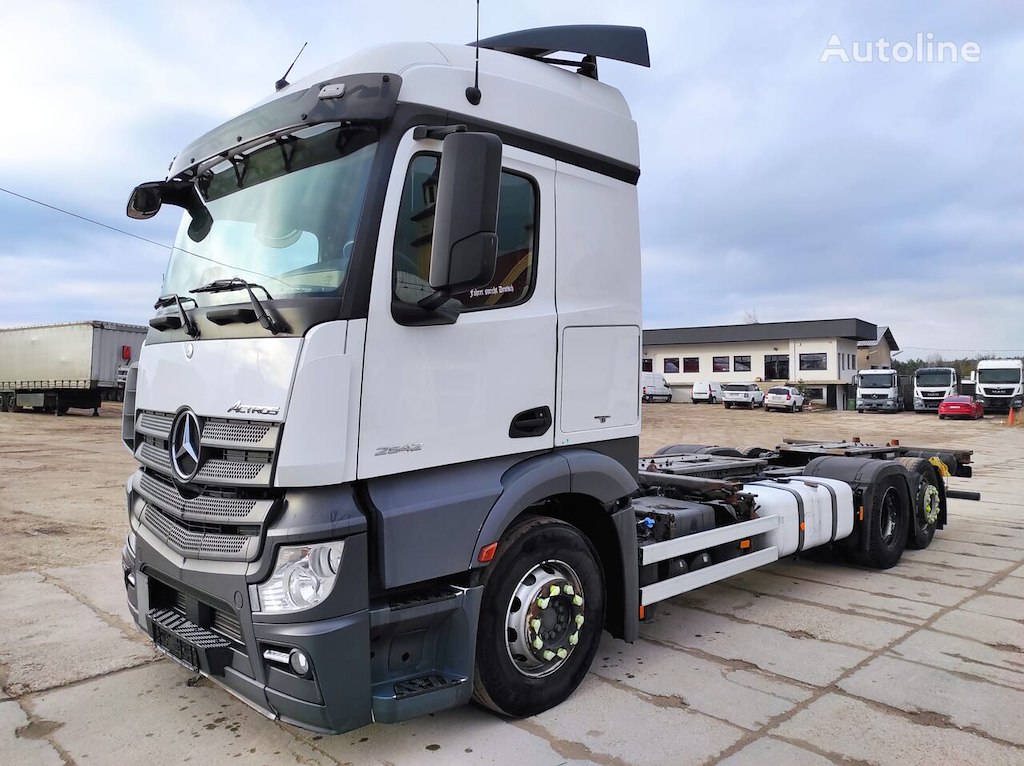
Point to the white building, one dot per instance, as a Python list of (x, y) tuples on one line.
[(818, 356)]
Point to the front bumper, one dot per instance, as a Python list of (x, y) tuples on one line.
[(878, 405), (203, 620)]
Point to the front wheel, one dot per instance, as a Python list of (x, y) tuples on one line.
[(541, 618)]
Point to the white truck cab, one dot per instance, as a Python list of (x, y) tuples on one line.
[(932, 385), (1000, 384), (878, 390)]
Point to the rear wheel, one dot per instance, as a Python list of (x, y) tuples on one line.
[(541, 618), (887, 526), (926, 501), (728, 405)]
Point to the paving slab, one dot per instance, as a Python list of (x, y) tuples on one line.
[(804, 620), (847, 729), (800, 658), (101, 586), (774, 751), (150, 715), (466, 735), (998, 606), (49, 638), (888, 582), (741, 696), (607, 723), (963, 656), (993, 631), (23, 743), (980, 550), (917, 567), (981, 707), (841, 600), (1000, 536), (1009, 586)]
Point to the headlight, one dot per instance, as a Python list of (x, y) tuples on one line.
[(303, 576)]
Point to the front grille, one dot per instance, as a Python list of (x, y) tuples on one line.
[(198, 540), (232, 497), (164, 494)]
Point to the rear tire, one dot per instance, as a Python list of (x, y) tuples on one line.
[(888, 526), (527, 660), (728, 405), (925, 501)]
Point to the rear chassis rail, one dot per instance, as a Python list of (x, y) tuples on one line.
[(678, 480)]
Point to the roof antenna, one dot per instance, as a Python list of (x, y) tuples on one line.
[(283, 82), (473, 91)]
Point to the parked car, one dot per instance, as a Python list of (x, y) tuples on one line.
[(745, 394), (706, 391), (784, 398), (961, 407), (653, 386)]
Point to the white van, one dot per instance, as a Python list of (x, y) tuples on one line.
[(706, 391), (653, 386)]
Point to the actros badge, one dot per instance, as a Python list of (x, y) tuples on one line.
[(185, 446)]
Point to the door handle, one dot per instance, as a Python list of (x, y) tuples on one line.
[(532, 422)]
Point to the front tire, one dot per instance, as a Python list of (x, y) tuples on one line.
[(541, 618)]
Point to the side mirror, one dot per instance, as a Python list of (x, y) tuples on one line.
[(145, 200), (856, 380), (465, 240)]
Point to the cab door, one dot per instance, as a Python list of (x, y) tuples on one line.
[(437, 392)]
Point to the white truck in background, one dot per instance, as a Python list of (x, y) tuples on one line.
[(1000, 384), (932, 385), (334, 554), (54, 367), (878, 390)]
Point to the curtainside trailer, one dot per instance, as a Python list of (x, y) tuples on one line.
[(54, 367)]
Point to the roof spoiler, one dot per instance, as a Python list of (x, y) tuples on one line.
[(628, 44)]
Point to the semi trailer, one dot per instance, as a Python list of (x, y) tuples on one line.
[(54, 367), (465, 217)]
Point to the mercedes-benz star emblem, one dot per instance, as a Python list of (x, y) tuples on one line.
[(186, 439)]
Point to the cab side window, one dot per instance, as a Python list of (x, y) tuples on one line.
[(514, 274)]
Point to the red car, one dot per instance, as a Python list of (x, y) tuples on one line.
[(960, 407)]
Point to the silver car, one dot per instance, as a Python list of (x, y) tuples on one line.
[(783, 398)]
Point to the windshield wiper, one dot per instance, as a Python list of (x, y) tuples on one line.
[(167, 322), (267, 322)]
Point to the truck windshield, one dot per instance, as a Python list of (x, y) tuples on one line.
[(934, 378), (1007, 375), (284, 215), (876, 381)]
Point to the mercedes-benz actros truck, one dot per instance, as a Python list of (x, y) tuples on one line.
[(387, 414)]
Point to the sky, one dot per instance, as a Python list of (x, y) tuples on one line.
[(783, 176)]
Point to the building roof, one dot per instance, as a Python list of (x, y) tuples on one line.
[(854, 329), (883, 332)]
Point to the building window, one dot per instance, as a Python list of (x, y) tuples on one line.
[(720, 364), (813, 361), (776, 366), (817, 394), (670, 364), (647, 365), (691, 364), (741, 364), (514, 271)]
